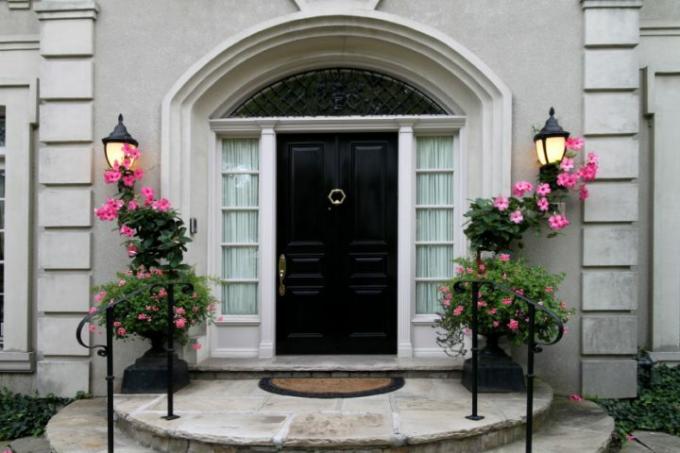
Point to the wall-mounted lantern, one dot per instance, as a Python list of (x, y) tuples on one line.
[(551, 141), (113, 144)]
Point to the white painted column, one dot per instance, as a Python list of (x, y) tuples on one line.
[(267, 233), (406, 236)]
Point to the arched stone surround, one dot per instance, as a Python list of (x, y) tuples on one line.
[(424, 57)]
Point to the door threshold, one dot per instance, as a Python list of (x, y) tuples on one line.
[(330, 363)]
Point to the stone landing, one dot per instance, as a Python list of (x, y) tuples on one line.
[(236, 415)]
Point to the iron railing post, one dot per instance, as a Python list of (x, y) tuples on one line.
[(171, 351), (109, 377), (475, 353), (530, 378)]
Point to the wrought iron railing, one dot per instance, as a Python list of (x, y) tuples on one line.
[(106, 350), (533, 346)]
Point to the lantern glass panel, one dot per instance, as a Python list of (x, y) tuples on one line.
[(555, 147), (114, 152)]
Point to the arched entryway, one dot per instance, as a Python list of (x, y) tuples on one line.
[(469, 109)]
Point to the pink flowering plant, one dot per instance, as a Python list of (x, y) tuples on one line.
[(496, 224), (499, 313), (155, 238)]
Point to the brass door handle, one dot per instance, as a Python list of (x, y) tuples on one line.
[(334, 200), (282, 274)]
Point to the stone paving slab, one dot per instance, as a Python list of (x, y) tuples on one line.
[(26, 445), (657, 442), (238, 413)]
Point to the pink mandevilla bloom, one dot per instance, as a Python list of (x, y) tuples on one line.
[(117, 324), (567, 180), (142, 316), (131, 152), (575, 397), (180, 311), (148, 194), (506, 301), (543, 204), (543, 189), (522, 187), (139, 174), (132, 205), (131, 250), (583, 193), (92, 328), (92, 310), (458, 310), (100, 296), (129, 180), (180, 323), (513, 325), (496, 324), (558, 222), (127, 231), (501, 203), (121, 331), (111, 176), (567, 164), (504, 257), (161, 205), (575, 143), (516, 217), (196, 346)]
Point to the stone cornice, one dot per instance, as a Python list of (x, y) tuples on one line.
[(19, 4), (76, 9), (20, 42), (336, 5)]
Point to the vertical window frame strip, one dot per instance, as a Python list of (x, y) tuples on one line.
[(220, 227), (453, 207), (3, 211)]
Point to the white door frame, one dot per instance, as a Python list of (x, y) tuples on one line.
[(407, 127)]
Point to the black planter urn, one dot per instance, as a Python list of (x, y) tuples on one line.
[(498, 373), (149, 372)]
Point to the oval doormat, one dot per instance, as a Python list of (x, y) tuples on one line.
[(331, 387)]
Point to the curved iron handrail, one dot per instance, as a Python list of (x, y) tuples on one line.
[(533, 347), (107, 349)]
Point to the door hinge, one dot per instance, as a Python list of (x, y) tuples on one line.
[(193, 225)]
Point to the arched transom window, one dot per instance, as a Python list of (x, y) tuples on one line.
[(337, 92)]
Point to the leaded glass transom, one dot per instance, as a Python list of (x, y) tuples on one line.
[(338, 92)]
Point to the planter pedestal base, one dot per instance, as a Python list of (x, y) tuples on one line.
[(498, 373), (149, 372)]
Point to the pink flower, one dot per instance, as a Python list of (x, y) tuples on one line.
[(575, 397), (196, 346), (567, 180), (492, 311), (162, 292), (132, 205), (121, 331), (542, 204), (180, 311), (139, 174), (127, 231), (458, 310), (111, 176), (92, 310), (481, 304), (142, 316), (131, 250), (504, 257), (131, 152), (516, 217), (558, 222), (122, 282), (92, 328), (583, 193), (522, 187), (129, 180), (446, 302), (567, 164), (549, 289), (519, 292), (180, 323), (507, 301), (148, 194), (592, 159), (117, 324), (513, 325), (575, 143), (482, 268), (459, 270), (161, 205), (109, 211), (501, 203), (496, 324), (469, 270), (543, 189), (100, 296)]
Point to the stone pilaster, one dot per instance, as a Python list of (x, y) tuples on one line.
[(609, 336), (65, 194)]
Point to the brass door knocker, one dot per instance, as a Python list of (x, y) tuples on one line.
[(337, 196)]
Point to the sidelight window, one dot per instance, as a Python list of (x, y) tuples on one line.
[(240, 213), (434, 219)]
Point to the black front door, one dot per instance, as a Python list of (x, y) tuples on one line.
[(337, 255)]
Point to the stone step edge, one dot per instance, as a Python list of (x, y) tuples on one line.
[(216, 375), (490, 436)]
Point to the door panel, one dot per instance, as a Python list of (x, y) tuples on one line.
[(341, 259)]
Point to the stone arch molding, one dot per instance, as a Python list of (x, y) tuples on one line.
[(426, 58)]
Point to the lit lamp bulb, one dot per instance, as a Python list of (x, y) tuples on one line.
[(114, 143)]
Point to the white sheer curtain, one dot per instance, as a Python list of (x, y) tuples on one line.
[(434, 219), (240, 204)]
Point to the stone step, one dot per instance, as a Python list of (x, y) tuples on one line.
[(328, 366), (571, 427)]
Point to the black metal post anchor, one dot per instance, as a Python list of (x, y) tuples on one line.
[(171, 351), (475, 353)]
